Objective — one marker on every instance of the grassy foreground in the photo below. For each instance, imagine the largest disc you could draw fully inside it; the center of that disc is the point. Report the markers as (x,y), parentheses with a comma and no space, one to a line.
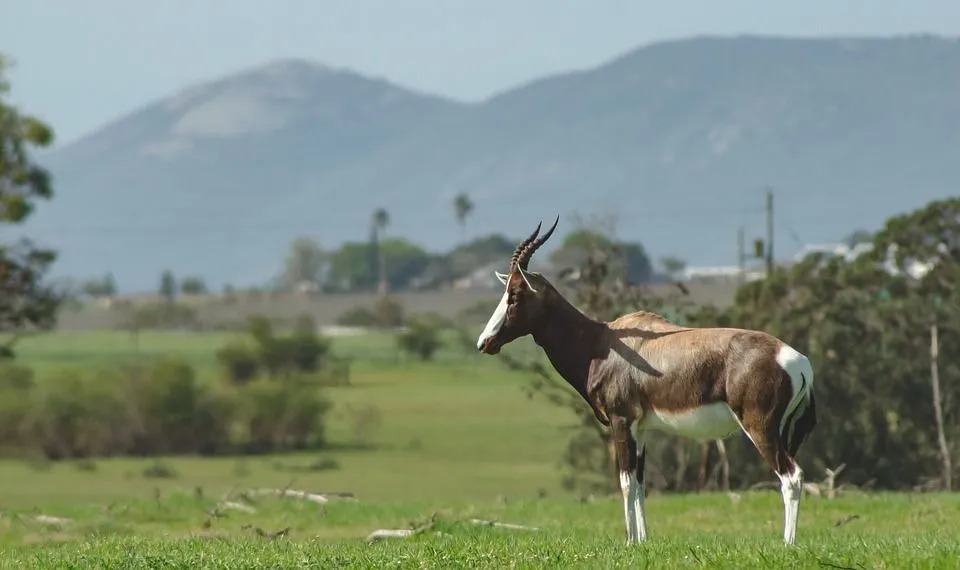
(178,531)
(456,439)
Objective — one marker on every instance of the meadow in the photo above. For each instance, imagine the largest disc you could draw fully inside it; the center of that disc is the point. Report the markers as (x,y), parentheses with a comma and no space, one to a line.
(452,440)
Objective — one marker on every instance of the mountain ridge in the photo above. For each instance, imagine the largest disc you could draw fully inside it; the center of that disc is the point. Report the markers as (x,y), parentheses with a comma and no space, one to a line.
(679,138)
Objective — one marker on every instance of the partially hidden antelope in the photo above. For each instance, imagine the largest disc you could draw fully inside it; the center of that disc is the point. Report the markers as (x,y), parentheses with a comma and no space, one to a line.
(641,372)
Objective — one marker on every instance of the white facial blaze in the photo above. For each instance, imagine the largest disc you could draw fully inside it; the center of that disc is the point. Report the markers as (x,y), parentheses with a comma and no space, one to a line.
(495,322)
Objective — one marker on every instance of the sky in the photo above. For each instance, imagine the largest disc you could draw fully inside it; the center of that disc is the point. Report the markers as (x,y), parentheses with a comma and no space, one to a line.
(79,65)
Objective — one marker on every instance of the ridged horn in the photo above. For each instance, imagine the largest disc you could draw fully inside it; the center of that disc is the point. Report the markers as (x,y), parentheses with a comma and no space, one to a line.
(532,247)
(515,258)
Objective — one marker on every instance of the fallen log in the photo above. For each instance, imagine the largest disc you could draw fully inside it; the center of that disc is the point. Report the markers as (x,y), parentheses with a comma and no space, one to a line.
(320,498)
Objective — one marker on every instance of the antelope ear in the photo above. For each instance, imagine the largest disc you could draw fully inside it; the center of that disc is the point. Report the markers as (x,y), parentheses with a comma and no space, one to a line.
(527,281)
(501,276)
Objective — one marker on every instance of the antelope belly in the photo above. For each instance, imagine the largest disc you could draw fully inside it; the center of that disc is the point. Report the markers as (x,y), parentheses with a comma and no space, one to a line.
(713,421)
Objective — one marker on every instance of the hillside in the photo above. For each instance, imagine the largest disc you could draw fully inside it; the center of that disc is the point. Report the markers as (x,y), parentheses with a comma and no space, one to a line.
(677,138)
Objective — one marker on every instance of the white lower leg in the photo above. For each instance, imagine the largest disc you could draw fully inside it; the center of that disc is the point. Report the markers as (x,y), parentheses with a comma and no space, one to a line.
(791,487)
(640,516)
(628,488)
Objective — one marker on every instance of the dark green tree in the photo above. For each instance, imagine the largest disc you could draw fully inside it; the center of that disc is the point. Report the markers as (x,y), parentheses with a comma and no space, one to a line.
(193,285)
(350,270)
(626,260)
(378,224)
(26,302)
(462,207)
(168,286)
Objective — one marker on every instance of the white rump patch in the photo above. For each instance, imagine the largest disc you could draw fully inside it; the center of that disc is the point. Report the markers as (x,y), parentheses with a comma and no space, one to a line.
(496,321)
(800,371)
(712,421)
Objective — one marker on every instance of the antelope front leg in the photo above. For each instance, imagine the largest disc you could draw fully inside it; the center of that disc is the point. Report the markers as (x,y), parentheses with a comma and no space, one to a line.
(626,449)
(640,515)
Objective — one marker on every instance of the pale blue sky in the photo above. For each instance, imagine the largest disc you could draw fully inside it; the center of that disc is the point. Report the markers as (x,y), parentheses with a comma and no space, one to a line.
(80,64)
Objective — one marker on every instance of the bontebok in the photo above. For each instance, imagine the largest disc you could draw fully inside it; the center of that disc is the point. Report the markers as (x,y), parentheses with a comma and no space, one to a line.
(642,372)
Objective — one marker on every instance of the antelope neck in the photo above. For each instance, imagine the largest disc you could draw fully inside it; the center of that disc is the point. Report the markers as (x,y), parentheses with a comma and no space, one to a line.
(570,339)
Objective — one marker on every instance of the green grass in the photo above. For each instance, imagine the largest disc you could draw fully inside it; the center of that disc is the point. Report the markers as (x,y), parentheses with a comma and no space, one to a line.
(458,439)
(889,531)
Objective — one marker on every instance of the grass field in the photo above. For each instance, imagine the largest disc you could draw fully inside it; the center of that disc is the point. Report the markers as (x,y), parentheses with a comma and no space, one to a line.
(458,439)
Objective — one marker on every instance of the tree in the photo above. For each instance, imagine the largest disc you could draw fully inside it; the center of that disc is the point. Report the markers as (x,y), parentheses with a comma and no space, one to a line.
(672,265)
(857,237)
(378,223)
(627,260)
(168,286)
(305,263)
(462,206)
(105,286)
(193,285)
(350,271)
(26,302)
(867,325)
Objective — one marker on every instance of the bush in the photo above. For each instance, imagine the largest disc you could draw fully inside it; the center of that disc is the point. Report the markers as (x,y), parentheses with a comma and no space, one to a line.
(303,351)
(422,338)
(358,317)
(155,409)
(280,415)
(16,392)
(239,361)
(386,313)
(180,415)
(77,416)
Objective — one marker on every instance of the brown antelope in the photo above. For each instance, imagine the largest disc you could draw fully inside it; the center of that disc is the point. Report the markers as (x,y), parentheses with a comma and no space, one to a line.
(641,372)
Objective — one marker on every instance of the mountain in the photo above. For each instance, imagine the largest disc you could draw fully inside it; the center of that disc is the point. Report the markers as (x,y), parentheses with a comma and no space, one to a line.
(183,182)
(676,139)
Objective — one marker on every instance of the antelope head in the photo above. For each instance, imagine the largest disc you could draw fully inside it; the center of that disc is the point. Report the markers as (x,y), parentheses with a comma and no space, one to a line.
(524,298)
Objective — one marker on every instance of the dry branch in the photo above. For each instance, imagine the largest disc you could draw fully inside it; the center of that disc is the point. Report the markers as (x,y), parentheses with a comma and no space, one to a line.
(319,498)
(51,520)
(390,533)
(502,525)
(234,506)
(265,534)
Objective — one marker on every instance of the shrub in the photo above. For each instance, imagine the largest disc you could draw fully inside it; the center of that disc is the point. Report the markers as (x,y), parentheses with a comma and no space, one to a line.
(178,414)
(386,313)
(422,338)
(239,361)
(160,470)
(389,312)
(16,393)
(77,416)
(303,351)
(15,376)
(358,316)
(281,416)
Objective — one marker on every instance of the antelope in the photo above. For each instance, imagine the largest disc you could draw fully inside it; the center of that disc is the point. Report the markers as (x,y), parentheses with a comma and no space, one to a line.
(641,372)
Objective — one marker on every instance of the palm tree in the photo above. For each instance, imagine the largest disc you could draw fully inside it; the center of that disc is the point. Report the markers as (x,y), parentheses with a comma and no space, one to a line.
(378,223)
(462,206)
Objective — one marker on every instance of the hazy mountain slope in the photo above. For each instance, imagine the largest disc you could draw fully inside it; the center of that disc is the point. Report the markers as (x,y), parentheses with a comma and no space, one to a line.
(183,182)
(677,138)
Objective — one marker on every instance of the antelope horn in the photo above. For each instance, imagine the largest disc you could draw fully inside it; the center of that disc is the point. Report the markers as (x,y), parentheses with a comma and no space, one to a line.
(519,251)
(529,249)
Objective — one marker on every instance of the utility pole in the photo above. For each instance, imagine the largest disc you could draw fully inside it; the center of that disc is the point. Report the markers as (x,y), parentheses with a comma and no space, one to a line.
(769,244)
(741,253)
